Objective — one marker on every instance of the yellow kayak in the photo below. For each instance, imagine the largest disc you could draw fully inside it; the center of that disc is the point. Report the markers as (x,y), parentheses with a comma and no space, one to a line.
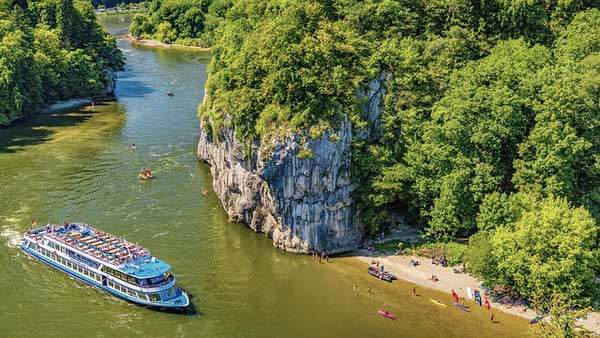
(438,303)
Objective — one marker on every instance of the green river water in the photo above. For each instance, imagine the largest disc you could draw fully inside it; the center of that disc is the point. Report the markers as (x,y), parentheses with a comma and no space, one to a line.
(76,166)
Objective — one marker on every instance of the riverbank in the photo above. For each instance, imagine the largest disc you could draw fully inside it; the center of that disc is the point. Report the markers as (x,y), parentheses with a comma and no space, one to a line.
(449,280)
(119,12)
(55,107)
(159,44)
(67,104)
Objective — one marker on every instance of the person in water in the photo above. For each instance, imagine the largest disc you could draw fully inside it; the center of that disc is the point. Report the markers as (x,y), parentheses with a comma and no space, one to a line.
(146,173)
(132,146)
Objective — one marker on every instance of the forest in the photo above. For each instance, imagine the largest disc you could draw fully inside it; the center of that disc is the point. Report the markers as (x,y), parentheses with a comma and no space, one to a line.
(186,22)
(489,129)
(51,50)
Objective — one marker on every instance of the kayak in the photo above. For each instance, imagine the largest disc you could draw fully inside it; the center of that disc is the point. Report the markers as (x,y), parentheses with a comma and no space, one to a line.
(386,315)
(438,303)
(379,274)
(464,308)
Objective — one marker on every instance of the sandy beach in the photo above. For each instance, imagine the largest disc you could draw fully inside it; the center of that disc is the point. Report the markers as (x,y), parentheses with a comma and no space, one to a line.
(450,280)
(67,104)
(156,43)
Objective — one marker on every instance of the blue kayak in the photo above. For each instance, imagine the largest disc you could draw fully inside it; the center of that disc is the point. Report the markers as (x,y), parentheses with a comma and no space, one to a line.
(464,308)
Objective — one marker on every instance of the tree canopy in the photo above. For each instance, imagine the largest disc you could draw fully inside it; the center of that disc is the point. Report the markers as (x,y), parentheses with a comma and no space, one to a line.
(188,22)
(51,50)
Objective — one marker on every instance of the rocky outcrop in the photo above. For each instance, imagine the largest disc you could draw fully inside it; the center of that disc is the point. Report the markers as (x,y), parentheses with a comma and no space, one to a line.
(295,189)
(373,95)
(111,82)
(302,202)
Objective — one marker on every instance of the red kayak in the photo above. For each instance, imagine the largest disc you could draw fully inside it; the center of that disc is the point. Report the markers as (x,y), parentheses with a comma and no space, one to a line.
(386,314)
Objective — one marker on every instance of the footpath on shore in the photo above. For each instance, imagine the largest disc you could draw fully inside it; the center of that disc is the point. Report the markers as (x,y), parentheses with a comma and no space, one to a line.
(449,280)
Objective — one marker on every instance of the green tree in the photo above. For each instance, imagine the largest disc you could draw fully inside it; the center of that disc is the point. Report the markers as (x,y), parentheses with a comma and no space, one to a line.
(468,146)
(549,249)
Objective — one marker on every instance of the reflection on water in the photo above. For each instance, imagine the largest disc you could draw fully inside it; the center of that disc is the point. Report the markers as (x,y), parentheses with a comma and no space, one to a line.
(77,166)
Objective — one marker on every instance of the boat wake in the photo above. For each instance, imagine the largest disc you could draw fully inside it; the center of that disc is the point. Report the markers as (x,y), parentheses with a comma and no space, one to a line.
(13,237)
(160,234)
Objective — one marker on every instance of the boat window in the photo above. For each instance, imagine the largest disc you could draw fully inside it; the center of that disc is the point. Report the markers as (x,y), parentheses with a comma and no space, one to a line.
(154,297)
(131,279)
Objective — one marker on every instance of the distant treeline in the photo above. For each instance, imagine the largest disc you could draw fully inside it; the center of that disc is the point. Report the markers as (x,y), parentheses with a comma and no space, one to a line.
(51,50)
(188,22)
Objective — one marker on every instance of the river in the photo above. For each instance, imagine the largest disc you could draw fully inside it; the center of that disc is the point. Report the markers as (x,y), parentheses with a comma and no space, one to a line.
(76,166)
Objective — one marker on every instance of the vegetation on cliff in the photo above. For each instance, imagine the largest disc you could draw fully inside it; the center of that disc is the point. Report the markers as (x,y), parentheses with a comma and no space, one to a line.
(489,123)
(51,50)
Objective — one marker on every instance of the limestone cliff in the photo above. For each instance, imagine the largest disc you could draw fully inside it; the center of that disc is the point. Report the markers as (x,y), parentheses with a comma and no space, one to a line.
(295,189)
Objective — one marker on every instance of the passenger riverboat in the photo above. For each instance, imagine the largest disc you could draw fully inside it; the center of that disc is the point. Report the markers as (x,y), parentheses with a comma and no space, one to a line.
(109,263)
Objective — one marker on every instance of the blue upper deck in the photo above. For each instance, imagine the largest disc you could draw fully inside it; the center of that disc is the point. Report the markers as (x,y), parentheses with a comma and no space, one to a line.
(146,267)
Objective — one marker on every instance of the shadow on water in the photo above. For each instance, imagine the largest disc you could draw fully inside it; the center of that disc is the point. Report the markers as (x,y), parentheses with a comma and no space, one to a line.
(39,129)
(133,88)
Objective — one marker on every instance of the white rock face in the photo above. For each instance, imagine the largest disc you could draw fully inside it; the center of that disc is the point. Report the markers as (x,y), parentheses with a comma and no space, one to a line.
(303,204)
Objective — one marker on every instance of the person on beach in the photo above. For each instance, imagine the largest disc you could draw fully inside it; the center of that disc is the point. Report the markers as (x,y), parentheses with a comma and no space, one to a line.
(355,287)
(369,289)
(454,296)
(414,292)
(377,264)
(492,317)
